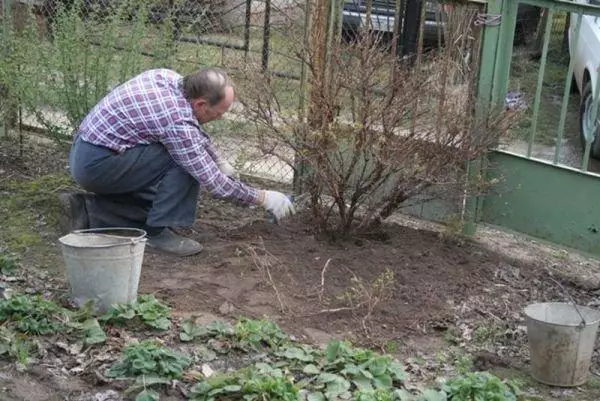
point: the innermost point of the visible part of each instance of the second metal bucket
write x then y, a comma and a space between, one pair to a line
561, 342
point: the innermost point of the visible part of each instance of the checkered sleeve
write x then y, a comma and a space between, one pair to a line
188, 146
210, 149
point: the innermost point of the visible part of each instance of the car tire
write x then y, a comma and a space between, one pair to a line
584, 121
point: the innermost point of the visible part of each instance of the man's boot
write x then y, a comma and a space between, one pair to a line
169, 242
74, 213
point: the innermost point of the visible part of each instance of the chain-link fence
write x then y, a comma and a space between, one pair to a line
63, 56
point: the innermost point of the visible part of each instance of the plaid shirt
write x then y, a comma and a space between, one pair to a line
151, 108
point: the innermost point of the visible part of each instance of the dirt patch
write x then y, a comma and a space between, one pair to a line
251, 267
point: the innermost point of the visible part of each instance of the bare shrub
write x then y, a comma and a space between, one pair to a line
378, 132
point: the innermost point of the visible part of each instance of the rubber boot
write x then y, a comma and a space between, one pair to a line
169, 242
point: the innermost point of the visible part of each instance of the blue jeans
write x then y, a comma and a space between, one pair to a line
142, 187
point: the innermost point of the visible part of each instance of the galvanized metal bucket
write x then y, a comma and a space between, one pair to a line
104, 265
561, 342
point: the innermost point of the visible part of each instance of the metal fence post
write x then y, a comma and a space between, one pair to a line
504, 51
5, 118
300, 166
247, 23
487, 71
266, 36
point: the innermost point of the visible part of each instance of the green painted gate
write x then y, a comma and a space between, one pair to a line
542, 198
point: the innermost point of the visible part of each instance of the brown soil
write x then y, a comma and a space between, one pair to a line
254, 268
262, 269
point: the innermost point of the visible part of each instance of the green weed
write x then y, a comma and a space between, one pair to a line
149, 358
479, 386
191, 331
37, 316
15, 347
9, 263
33, 314
258, 333
147, 308
252, 384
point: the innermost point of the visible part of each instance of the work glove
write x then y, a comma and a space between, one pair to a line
228, 169
277, 203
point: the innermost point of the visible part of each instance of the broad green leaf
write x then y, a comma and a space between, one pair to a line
311, 369
233, 388
93, 332
151, 380
403, 395
201, 388
333, 349
433, 395
188, 326
362, 382
378, 365
162, 323
366, 373
351, 369
327, 377
383, 382
147, 395
337, 387
141, 383
397, 371
185, 337
297, 353
128, 314
315, 396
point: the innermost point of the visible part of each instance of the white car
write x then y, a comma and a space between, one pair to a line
586, 65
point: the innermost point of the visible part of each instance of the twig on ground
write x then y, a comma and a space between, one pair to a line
334, 310
262, 264
323, 279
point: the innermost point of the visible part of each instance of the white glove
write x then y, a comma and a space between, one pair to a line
278, 204
228, 169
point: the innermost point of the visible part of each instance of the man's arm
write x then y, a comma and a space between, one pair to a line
187, 144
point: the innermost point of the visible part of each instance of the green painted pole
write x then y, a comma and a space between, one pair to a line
487, 66
540, 82
504, 51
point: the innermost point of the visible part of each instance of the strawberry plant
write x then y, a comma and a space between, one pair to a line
345, 368
149, 358
147, 308
9, 263
258, 383
191, 331
38, 316
299, 355
256, 333
33, 314
14, 346
479, 386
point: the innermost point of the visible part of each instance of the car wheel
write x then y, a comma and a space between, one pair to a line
588, 128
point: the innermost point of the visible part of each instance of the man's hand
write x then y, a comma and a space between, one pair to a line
228, 169
276, 203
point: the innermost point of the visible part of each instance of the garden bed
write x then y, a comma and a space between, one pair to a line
442, 304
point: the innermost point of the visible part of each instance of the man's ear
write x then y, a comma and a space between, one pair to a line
197, 103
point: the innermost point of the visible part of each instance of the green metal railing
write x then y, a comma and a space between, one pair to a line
499, 66
499, 22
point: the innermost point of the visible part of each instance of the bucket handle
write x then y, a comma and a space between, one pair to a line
583, 323
134, 240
